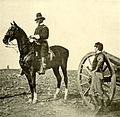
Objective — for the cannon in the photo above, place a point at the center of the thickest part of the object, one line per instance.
(111, 73)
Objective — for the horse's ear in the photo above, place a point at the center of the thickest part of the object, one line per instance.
(11, 23)
(15, 24)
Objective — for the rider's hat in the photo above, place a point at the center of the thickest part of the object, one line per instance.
(39, 16)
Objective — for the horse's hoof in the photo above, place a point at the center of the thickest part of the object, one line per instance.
(65, 98)
(66, 94)
(29, 101)
(35, 101)
(55, 97)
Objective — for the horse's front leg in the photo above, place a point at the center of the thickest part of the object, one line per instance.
(30, 85)
(34, 87)
(27, 73)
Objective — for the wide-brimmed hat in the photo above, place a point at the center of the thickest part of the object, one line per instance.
(39, 16)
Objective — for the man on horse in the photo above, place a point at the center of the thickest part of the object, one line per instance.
(40, 36)
(96, 89)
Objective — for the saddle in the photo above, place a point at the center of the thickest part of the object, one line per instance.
(25, 60)
(49, 57)
(51, 54)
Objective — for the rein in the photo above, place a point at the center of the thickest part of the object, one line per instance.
(13, 46)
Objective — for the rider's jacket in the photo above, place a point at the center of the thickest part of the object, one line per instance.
(43, 32)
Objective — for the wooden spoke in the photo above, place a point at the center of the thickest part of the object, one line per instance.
(84, 75)
(87, 69)
(89, 101)
(105, 93)
(106, 85)
(105, 68)
(86, 91)
(84, 83)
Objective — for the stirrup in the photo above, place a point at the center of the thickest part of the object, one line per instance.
(41, 73)
(41, 70)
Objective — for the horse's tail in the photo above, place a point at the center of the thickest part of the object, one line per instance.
(65, 55)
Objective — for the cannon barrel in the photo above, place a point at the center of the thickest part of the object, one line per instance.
(115, 60)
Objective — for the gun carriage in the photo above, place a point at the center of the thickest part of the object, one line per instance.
(111, 73)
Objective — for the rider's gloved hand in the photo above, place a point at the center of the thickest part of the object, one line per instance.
(31, 37)
(34, 37)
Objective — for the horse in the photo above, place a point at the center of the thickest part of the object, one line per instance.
(26, 49)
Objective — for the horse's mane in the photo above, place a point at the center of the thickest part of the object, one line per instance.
(23, 33)
(27, 43)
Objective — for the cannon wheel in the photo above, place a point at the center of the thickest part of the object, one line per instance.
(84, 81)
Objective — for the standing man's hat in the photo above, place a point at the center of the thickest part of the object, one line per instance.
(39, 16)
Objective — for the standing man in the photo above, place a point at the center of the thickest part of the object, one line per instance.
(96, 89)
(41, 35)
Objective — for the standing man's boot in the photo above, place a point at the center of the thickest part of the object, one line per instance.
(43, 66)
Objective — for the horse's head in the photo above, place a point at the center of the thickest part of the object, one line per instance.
(11, 34)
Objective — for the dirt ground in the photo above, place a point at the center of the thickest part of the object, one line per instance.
(14, 94)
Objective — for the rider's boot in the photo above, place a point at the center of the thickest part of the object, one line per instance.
(42, 67)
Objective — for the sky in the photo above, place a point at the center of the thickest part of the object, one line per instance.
(74, 24)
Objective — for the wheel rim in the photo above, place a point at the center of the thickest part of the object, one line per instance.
(84, 81)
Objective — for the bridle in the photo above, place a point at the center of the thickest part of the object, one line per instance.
(12, 45)
(11, 34)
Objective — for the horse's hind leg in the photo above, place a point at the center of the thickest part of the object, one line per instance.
(59, 78)
(64, 70)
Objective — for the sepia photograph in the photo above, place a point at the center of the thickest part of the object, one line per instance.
(60, 58)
